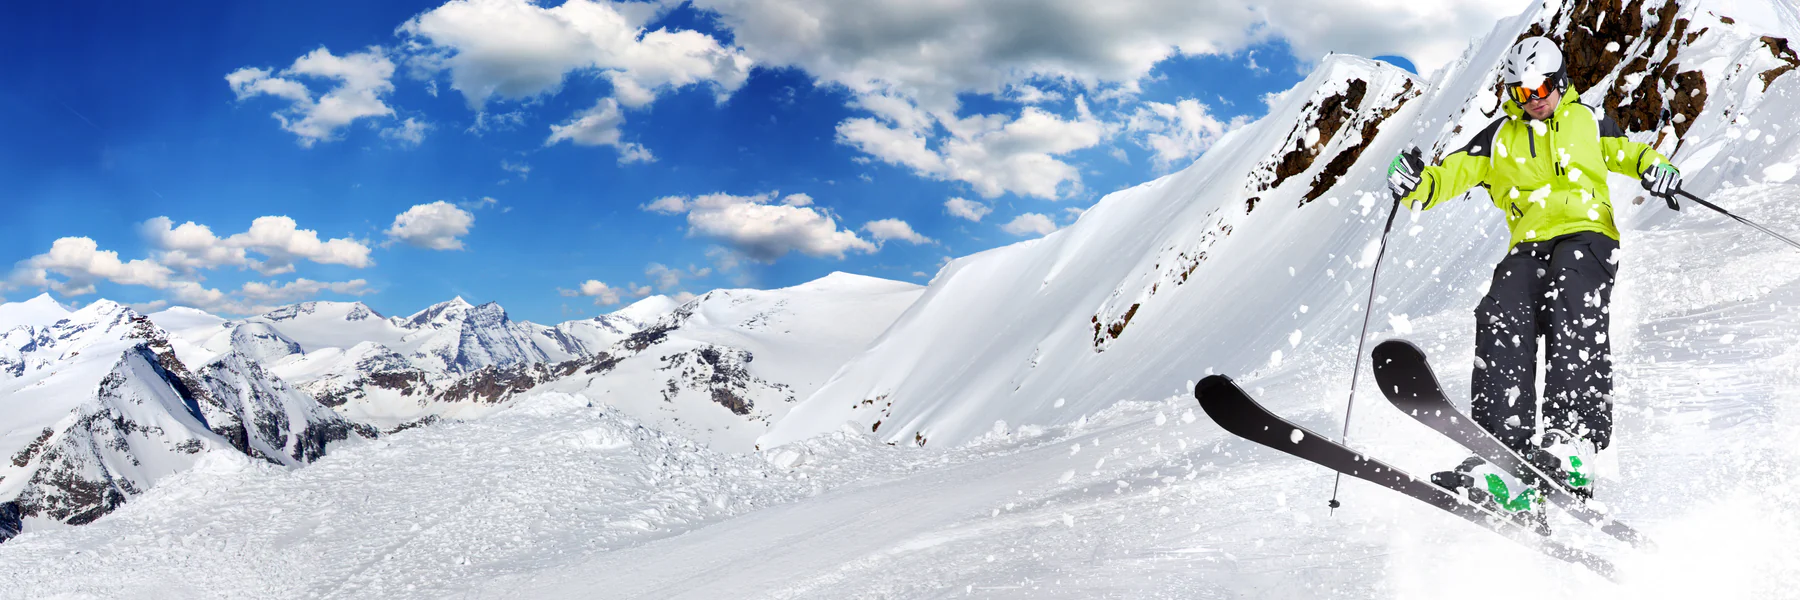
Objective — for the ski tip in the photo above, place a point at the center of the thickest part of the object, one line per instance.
(1396, 349)
(1210, 383)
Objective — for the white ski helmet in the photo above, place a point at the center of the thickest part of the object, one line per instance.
(1532, 61)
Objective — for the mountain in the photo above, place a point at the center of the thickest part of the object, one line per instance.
(98, 408)
(1226, 265)
(1048, 383)
(722, 367)
(41, 311)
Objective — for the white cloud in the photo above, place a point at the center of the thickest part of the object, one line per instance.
(599, 126)
(668, 205)
(908, 62)
(666, 279)
(760, 230)
(967, 209)
(410, 132)
(894, 229)
(797, 200)
(522, 169)
(302, 288)
(1030, 223)
(435, 226)
(1177, 131)
(601, 293)
(992, 153)
(516, 49)
(362, 78)
(474, 205)
(82, 263)
(191, 246)
(74, 265)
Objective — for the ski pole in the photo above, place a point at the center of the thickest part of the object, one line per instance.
(1727, 213)
(1356, 361)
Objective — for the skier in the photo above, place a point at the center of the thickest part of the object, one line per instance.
(1545, 164)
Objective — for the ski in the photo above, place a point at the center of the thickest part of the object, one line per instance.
(1406, 379)
(1236, 412)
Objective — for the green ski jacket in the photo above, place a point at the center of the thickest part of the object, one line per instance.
(1549, 176)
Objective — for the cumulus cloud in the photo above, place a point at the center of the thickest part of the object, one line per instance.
(992, 153)
(1177, 131)
(282, 293)
(515, 49)
(908, 63)
(361, 80)
(760, 230)
(435, 226)
(1029, 224)
(279, 239)
(599, 126)
(81, 261)
(178, 253)
(601, 293)
(967, 209)
(410, 132)
(894, 229)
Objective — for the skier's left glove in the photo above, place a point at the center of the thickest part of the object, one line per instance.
(1662, 180)
(1404, 172)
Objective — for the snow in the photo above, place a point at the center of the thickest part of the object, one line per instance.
(41, 311)
(975, 438)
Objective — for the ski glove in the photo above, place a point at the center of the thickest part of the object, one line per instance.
(1662, 180)
(1403, 173)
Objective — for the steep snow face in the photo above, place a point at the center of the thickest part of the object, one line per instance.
(264, 417)
(261, 342)
(1261, 252)
(42, 311)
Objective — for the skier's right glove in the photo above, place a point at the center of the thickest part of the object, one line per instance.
(1662, 180)
(1403, 173)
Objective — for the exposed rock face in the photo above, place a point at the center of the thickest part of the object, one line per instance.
(100, 408)
(264, 417)
(720, 374)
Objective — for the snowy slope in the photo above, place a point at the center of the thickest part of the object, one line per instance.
(1254, 256)
(1103, 480)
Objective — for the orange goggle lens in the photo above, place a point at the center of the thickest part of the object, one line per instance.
(1522, 94)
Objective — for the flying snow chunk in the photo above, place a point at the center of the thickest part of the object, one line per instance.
(1401, 324)
(1297, 435)
(1778, 173)
(1294, 339)
(1370, 253)
(1275, 359)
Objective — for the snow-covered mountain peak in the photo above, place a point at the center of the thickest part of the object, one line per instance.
(839, 281)
(648, 309)
(438, 314)
(262, 342)
(344, 311)
(41, 311)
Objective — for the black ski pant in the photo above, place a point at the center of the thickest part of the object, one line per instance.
(1560, 290)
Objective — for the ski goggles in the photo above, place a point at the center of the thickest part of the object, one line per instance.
(1522, 94)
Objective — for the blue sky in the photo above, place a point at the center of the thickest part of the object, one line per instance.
(420, 156)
